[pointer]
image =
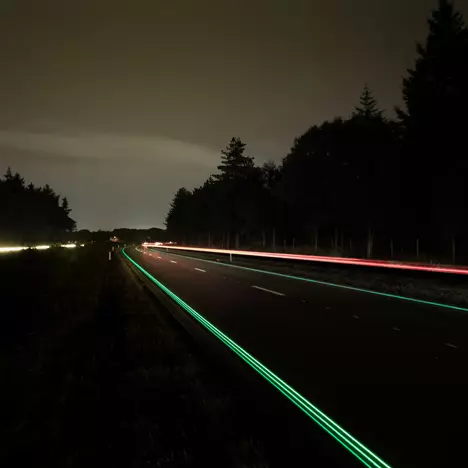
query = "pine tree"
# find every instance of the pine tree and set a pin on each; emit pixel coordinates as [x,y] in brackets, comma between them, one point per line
[368,106]
[436,91]
[31,214]
[436,97]
[234,164]
[178,220]
[65,207]
[371,165]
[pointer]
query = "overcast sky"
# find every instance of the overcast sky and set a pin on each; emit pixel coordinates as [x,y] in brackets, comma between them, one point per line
[116,104]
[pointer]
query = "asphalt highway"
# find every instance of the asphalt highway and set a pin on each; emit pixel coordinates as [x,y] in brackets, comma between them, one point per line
[392,372]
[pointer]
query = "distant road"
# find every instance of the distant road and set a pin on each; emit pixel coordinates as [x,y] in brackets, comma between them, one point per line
[391,372]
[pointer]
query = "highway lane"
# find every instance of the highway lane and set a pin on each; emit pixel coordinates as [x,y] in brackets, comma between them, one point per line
[391,372]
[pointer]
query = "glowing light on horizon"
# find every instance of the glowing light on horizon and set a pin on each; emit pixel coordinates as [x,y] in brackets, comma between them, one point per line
[351,444]
[11,249]
[34,247]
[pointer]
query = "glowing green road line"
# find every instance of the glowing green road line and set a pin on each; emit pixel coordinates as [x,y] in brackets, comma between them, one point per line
[326,283]
[362,453]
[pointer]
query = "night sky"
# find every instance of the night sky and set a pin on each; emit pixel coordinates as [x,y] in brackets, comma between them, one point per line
[116,104]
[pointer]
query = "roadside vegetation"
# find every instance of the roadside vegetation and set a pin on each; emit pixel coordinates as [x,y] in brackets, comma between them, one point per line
[94,374]
[372,183]
[31,214]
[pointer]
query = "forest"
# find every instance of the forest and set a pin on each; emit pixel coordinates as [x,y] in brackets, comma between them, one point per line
[361,185]
[31,214]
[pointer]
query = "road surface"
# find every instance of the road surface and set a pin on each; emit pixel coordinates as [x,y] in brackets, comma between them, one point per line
[391,372]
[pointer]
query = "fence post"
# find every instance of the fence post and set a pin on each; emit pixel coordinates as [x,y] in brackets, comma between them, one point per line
[230,257]
[453,250]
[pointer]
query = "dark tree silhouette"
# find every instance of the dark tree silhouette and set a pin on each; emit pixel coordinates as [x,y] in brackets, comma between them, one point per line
[269,204]
[234,164]
[436,97]
[360,185]
[238,187]
[374,168]
[180,214]
[368,108]
[31,214]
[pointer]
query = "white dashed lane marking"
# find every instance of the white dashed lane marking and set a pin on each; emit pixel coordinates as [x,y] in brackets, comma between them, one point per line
[199,269]
[450,345]
[173,261]
[268,290]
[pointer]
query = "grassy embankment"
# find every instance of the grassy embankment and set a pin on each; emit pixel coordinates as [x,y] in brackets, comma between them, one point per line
[94,375]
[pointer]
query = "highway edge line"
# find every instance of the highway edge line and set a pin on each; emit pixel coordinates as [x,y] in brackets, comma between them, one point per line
[324,283]
[355,447]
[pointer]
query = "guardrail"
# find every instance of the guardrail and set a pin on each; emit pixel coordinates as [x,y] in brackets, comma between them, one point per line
[462,270]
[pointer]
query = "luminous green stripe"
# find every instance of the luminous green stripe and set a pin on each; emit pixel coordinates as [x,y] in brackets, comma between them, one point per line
[326,283]
[344,438]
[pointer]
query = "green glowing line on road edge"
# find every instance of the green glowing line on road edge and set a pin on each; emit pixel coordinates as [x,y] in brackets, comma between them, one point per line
[362,453]
[325,283]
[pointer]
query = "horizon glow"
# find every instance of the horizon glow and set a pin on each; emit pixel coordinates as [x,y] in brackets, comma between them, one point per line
[35,247]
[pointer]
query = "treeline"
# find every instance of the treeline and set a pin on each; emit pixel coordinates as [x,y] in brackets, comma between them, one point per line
[363,185]
[126,235]
[30,214]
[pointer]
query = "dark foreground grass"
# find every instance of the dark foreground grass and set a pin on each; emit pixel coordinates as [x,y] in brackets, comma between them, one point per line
[94,375]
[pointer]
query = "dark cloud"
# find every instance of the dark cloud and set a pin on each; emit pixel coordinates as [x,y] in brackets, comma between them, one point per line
[142,95]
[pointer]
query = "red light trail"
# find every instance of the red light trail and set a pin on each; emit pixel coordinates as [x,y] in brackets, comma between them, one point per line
[325,259]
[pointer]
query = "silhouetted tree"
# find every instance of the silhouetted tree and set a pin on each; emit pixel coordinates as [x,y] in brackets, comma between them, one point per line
[355,184]
[368,108]
[373,145]
[269,203]
[31,214]
[178,220]
[436,97]
[238,186]
[234,164]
